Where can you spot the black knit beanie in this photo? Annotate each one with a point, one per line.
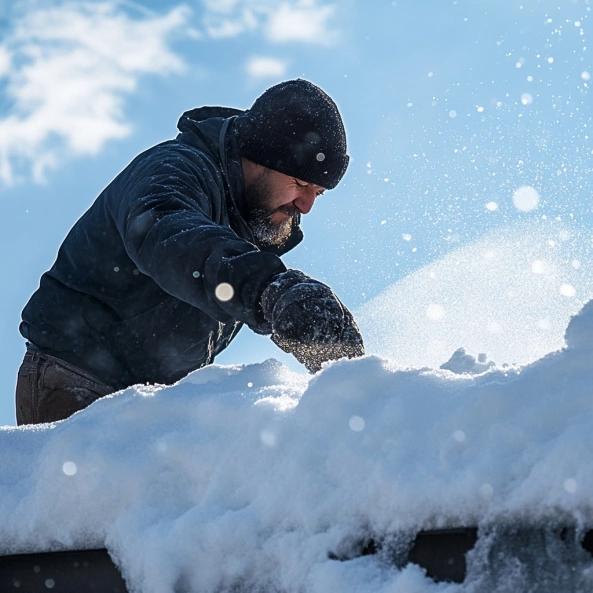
(295, 128)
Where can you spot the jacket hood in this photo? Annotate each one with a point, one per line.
(208, 129)
(194, 116)
(201, 126)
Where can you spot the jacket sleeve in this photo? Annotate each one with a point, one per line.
(164, 215)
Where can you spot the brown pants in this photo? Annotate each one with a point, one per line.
(49, 389)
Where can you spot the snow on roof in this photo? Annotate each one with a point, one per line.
(252, 474)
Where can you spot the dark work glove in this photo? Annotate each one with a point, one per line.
(309, 321)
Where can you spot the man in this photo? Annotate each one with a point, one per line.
(182, 248)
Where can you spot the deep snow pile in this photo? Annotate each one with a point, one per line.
(244, 478)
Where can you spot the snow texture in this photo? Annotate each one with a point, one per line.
(463, 362)
(245, 478)
(509, 294)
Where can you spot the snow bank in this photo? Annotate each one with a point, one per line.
(243, 478)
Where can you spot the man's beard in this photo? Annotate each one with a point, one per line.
(259, 215)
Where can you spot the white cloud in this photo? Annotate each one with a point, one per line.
(305, 21)
(223, 6)
(72, 66)
(221, 28)
(263, 67)
(4, 61)
(66, 68)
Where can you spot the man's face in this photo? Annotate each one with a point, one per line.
(274, 202)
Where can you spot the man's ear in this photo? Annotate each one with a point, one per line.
(251, 170)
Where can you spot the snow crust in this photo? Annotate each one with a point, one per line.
(463, 362)
(245, 478)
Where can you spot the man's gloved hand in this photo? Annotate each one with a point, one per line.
(309, 321)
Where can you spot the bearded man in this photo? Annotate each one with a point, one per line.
(182, 248)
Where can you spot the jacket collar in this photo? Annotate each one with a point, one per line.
(212, 130)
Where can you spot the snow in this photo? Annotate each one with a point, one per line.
(490, 297)
(224, 291)
(463, 362)
(210, 485)
(526, 198)
(526, 99)
(435, 312)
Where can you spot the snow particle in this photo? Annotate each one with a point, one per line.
(459, 436)
(538, 266)
(250, 384)
(576, 264)
(526, 99)
(480, 108)
(529, 78)
(406, 236)
(268, 438)
(567, 290)
(526, 198)
(224, 292)
(320, 157)
(196, 274)
(519, 63)
(49, 583)
(435, 312)
(383, 222)
(116, 269)
(491, 206)
(564, 235)
(544, 324)
(550, 60)
(586, 76)
(356, 423)
(452, 114)
(69, 468)
(570, 485)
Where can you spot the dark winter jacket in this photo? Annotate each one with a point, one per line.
(131, 296)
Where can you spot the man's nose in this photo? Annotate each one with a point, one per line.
(304, 202)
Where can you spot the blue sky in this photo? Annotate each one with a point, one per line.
(450, 107)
